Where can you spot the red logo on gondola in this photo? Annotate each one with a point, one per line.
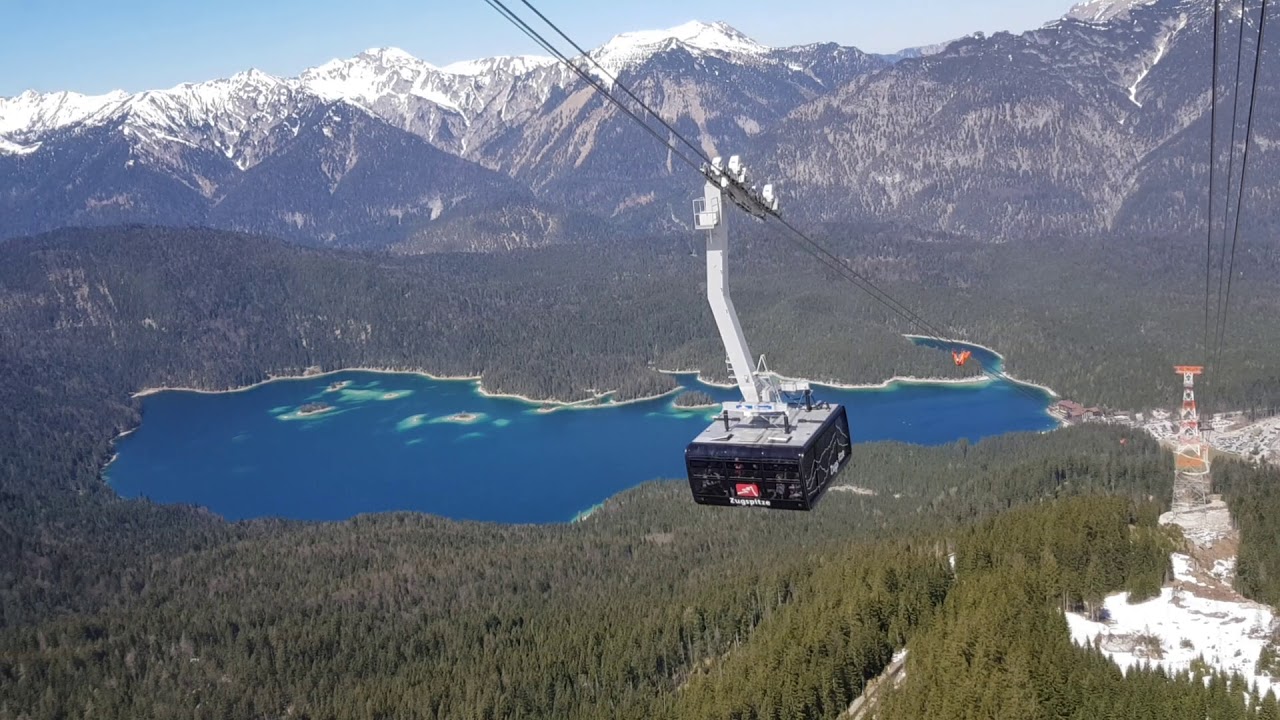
(747, 490)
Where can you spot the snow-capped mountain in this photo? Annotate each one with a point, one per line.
(1083, 126)
(1098, 11)
(1094, 123)
(697, 38)
(525, 116)
(29, 116)
(717, 87)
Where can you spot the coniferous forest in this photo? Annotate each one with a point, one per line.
(653, 606)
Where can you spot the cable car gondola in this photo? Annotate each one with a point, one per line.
(758, 462)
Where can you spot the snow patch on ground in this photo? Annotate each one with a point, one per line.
(1224, 570)
(1180, 626)
(1161, 49)
(866, 703)
(1202, 525)
(12, 148)
(855, 489)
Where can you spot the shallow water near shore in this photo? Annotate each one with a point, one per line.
(395, 441)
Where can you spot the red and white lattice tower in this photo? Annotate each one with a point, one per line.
(1189, 419)
(1191, 462)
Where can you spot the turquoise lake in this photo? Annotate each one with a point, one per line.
(390, 442)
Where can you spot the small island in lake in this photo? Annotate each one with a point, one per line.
(335, 387)
(462, 418)
(692, 399)
(314, 408)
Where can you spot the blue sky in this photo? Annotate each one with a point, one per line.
(95, 46)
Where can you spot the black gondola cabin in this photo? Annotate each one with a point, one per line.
(773, 464)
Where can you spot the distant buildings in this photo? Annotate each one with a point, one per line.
(1228, 432)
(1071, 412)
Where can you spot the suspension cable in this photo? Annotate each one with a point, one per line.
(1226, 209)
(618, 83)
(1213, 161)
(506, 12)
(1244, 169)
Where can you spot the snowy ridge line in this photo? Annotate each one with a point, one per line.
(518, 64)
(385, 74)
(698, 37)
(1098, 11)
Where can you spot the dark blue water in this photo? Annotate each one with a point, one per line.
(390, 443)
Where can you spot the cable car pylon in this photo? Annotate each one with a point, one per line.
(1192, 481)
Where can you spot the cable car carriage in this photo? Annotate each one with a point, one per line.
(785, 459)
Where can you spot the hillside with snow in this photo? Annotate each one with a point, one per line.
(1198, 616)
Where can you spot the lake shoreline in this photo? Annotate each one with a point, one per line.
(993, 351)
(590, 403)
(586, 403)
(1044, 388)
(276, 378)
(233, 462)
(697, 375)
(595, 401)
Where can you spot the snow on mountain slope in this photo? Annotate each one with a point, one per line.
(12, 148)
(31, 114)
(374, 74)
(230, 116)
(500, 64)
(437, 104)
(697, 37)
(1103, 10)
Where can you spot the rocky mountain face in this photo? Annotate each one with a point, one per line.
(1096, 123)
(384, 149)
(321, 172)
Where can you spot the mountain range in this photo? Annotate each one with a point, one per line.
(1096, 123)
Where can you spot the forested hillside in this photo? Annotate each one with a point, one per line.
(653, 607)
(415, 616)
(1253, 494)
(1000, 647)
(1095, 322)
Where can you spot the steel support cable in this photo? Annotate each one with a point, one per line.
(1244, 169)
(534, 35)
(817, 250)
(929, 331)
(635, 98)
(1226, 206)
(1213, 161)
(618, 83)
